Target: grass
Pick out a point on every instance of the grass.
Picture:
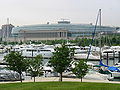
(59, 86)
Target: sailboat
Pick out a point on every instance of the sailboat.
(90, 55)
(83, 53)
(115, 71)
(93, 36)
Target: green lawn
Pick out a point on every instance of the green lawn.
(59, 86)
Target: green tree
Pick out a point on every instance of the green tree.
(35, 66)
(16, 62)
(80, 69)
(61, 59)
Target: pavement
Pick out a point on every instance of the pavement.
(52, 79)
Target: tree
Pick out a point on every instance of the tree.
(80, 69)
(16, 62)
(61, 59)
(35, 66)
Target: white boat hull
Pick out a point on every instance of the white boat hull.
(84, 56)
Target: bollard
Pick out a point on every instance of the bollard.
(107, 58)
(119, 56)
(113, 58)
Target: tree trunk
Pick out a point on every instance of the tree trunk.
(81, 79)
(34, 79)
(60, 77)
(20, 77)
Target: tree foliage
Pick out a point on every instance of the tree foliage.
(35, 66)
(112, 39)
(61, 59)
(16, 62)
(80, 69)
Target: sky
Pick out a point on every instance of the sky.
(29, 12)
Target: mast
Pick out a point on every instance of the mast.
(100, 33)
(93, 34)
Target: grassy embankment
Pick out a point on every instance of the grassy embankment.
(59, 86)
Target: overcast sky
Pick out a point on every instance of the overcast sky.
(27, 12)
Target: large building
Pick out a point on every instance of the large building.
(62, 30)
(5, 32)
(7, 29)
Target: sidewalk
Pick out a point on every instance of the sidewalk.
(51, 79)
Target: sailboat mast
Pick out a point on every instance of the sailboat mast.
(100, 32)
(94, 31)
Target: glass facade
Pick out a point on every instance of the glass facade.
(50, 30)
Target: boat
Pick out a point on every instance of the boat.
(108, 53)
(32, 52)
(82, 53)
(116, 50)
(113, 70)
(91, 54)
(46, 52)
(2, 49)
(113, 52)
(9, 75)
(29, 52)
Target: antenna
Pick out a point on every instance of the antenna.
(7, 20)
(7, 28)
